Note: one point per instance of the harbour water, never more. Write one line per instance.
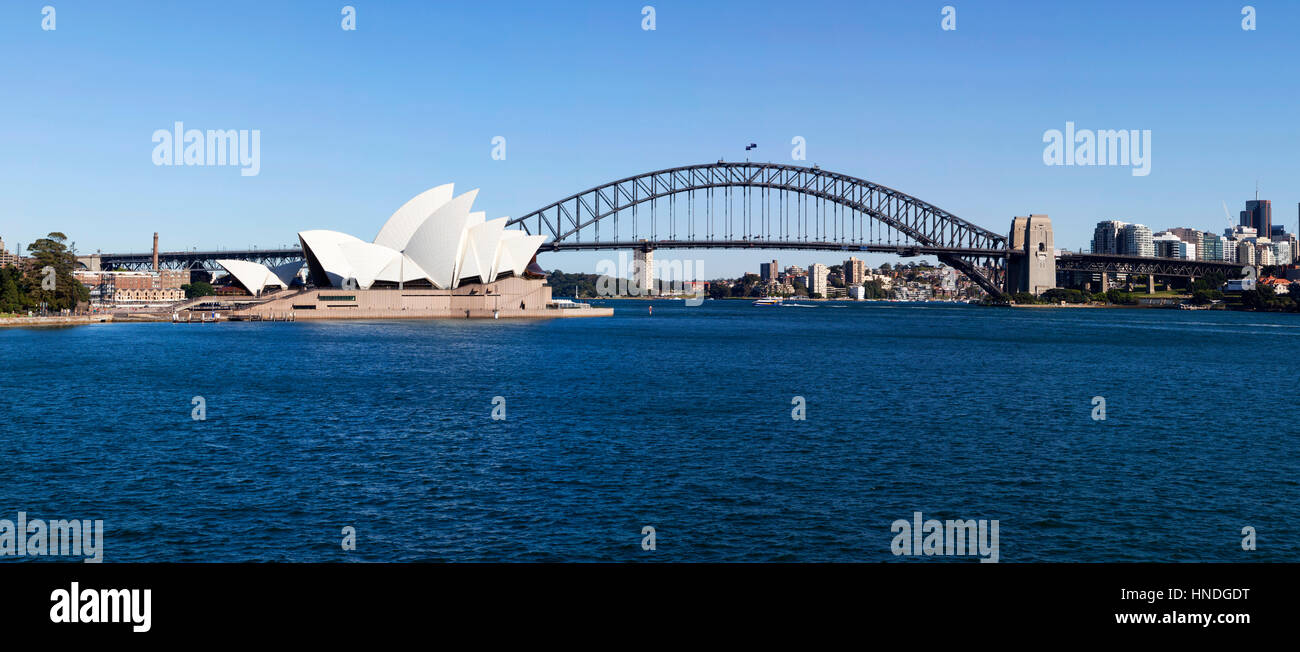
(680, 420)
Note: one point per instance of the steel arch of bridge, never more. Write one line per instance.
(905, 225)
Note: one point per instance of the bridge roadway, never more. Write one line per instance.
(1114, 264)
(905, 250)
(205, 260)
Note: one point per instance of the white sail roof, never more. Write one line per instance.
(253, 276)
(368, 260)
(323, 248)
(438, 244)
(288, 272)
(516, 252)
(397, 231)
(435, 236)
(480, 254)
(402, 270)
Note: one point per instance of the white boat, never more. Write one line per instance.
(768, 301)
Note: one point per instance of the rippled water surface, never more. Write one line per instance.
(680, 420)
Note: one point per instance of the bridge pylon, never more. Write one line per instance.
(643, 270)
(1032, 266)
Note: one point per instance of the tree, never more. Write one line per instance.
(198, 289)
(1057, 295)
(1211, 281)
(51, 252)
(11, 300)
(1118, 297)
(1203, 297)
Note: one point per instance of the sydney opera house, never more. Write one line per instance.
(435, 257)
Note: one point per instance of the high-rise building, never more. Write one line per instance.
(1258, 215)
(1264, 252)
(1213, 247)
(855, 271)
(1282, 252)
(1137, 241)
(1246, 253)
(1191, 237)
(6, 258)
(1106, 237)
(768, 271)
(1168, 245)
(795, 271)
(817, 279)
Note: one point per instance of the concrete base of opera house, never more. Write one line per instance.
(506, 298)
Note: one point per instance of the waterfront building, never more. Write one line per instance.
(1212, 247)
(794, 271)
(857, 292)
(447, 260)
(1191, 237)
(855, 271)
(818, 283)
(1106, 238)
(1279, 285)
(913, 292)
(768, 271)
(1168, 245)
(432, 241)
(1137, 241)
(134, 288)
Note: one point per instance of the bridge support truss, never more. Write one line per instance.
(765, 205)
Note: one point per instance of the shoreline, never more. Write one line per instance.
(60, 320)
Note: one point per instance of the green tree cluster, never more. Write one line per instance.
(1264, 299)
(198, 289)
(46, 280)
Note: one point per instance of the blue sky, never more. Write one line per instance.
(354, 123)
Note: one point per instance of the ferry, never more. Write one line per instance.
(768, 301)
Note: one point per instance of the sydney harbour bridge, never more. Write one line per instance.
(753, 205)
